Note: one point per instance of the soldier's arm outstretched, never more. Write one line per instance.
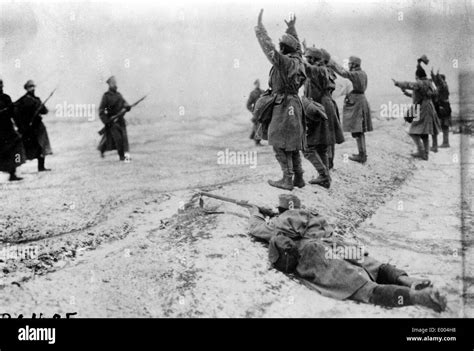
(266, 43)
(341, 70)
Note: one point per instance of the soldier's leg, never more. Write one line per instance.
(298, 181)
(399, 296)
(434, 137)
(13, 176)
(41, 161)
(426, 145)
(445, 136)
(285, 160)
(361, 157)
(312, 155)
(420, 151)
(331, 152)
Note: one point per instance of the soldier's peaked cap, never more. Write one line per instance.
(289, 201)
(28, 84)
(290, 41)
(355, 59)
(314, 52)
(109, 79)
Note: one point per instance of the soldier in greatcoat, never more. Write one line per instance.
(286, 130)
(12, 153)
(28, 111)
(252, 99)
(111, 112)
(302, 242)
(356, 111)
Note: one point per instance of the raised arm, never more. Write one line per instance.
(266, 43)
(291, 29)
(341, 70)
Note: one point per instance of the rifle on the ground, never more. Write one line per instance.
(38, 110)
(265, 211)
(121, 113)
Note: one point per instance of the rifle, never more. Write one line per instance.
(121, 113)
(265, 211)
(41, 107)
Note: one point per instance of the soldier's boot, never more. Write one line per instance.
(286, 182)
(330, 156)
(426, 145)
(361, 157)
(321, 167)
(286, 163)
(41, 167)
(14, 177)
(420, 152)
(298, 180)
(434, 148)
(445, 138)
(252, 135)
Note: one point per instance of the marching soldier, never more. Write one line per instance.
(12, 153)
(28, 111)
(111, 111)
(286, 130)
(253, 97)
(356, 112)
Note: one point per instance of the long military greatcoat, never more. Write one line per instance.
(318, 88)
(287, 126)
(332, 275)
(356, 110)
(12, 153)
(427, 122)
(115, 133)
(33, 131)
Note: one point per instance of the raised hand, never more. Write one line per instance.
(292, 20)
(260, 15)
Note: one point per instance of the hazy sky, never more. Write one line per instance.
(204, 55)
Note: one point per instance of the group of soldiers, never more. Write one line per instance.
(286, 121)
(23, 135)
(29, 140)
(299, 239)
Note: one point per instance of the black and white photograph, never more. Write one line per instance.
(237, 160)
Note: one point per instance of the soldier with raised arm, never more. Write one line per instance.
(356, 110)
(286, 130)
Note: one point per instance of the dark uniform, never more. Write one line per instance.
(286, 132)
(335, 127)
(115, 136)
(427, 122)
(442, 106)
(33, 131)
(317, 132)
(253, 97)
(12, 153)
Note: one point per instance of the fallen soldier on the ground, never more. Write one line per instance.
(302, 242)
